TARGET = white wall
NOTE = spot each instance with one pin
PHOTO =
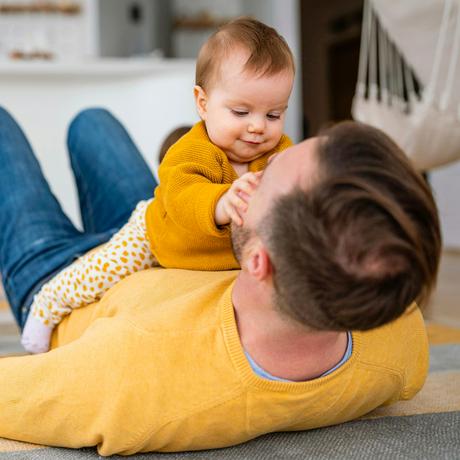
(149, 104)
(446, 187)
(119, 35)
(284, 16)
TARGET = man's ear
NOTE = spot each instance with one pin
(201, 99)
(259, 264)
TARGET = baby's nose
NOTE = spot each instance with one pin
(256, 125)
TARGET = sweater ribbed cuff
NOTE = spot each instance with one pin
(205, 210)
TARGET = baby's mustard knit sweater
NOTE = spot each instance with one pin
(181, 229)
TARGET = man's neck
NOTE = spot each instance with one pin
(279, 345)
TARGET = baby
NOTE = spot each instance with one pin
(244, 77)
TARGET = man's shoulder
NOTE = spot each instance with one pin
(400, 348)
(176, 289)
(395, 335)
(178, 276)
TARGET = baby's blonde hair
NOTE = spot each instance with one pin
(269, 53)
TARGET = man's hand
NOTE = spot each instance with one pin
(234, 202)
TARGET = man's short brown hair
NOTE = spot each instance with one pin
(353, 251)
(268, 52)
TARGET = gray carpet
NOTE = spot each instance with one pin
(430, 436)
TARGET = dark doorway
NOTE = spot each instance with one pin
(331, 32)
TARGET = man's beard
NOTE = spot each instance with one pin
(240, 237)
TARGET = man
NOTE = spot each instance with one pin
(339, 238)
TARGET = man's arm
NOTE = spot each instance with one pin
(74, 395)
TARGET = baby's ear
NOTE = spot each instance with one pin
(201, 99)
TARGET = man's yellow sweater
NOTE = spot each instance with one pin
(157, 364)
(194, 174)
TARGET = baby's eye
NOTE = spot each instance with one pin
(273, 116)
(239, 113)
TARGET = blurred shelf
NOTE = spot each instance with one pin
(116, 67)
(62, 7)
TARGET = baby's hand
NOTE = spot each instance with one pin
(234, 201)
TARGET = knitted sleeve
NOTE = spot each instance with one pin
(192, 181)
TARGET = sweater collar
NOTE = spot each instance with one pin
(243, 368)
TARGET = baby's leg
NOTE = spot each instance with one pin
(87, 279)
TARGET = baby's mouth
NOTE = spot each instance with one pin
(252, 142)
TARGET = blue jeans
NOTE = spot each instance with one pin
(37, 239)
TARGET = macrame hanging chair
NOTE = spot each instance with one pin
(406, 86)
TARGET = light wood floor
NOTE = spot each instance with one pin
(444, 307)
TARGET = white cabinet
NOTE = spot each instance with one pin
(150, 97)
